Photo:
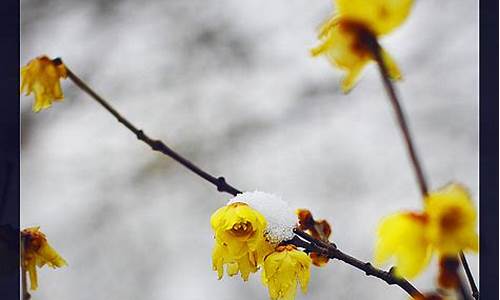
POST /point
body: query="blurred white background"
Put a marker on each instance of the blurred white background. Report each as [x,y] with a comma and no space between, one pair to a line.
[230,85]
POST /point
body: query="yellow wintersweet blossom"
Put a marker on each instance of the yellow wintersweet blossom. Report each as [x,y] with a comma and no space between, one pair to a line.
[346,39]
[42,76]
[402,235]
[283,269]
[446,226]
[452,220]
[240,243]
[37,252]
[380,16]
[341,41]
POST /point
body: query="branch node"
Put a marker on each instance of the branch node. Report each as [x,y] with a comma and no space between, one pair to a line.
[140,134]
[368,269]
[221,183]
[57,61]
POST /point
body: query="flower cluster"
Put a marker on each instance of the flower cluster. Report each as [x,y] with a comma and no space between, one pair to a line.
[244,243]
[37,252]
[446,226]
[42,77]
[345,37]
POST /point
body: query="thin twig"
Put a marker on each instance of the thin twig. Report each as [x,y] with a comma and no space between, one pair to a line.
[470,278]
[462,288]
[156,145]
[331,251]
[223,186]
[24,285]
[376,49]
[400,116]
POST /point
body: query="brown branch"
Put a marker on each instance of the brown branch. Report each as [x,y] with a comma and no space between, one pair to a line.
[156,145]
[315,245]
[470,278]
[376,50]
[331,251]
[24,286]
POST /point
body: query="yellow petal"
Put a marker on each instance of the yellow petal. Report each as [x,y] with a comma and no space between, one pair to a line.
[340,43]
[402,236]
[452,220]
[283,269]
[37,252]
[239,237]
[351,78]
[381,16]
[42,77]
[392,67]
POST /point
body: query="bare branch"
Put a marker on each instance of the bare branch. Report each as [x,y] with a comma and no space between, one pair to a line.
[331,250]
[222,186]
[371,41]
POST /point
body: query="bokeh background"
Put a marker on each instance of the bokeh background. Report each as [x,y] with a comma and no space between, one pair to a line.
[230,85]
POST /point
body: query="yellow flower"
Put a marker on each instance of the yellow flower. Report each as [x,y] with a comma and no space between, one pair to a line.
[41,76]
[452,220]
[380,16]
[342,42]
[283,269]
[240,242]
[402,235]
[447,226]
[37,253]
[345,37]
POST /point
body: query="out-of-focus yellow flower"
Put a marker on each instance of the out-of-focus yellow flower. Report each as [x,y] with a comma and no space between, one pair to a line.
[345,37]
[283,269]
[41,76]
[402,235]
[37,252]
[452,220]
[240,242]
[380,16]
[447,226]
[342,42]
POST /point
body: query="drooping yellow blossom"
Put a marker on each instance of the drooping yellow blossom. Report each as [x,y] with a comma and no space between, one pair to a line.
[402,235]
[346,39]
[452,220]
[342,42]
[447,226]
[37,252]
[240,242]
[41,76]
[283,269]
[380,16]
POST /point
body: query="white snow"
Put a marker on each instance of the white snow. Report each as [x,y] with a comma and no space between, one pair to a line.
[280,217]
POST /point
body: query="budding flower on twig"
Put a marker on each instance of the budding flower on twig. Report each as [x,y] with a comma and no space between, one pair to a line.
[42,77]
[320,230]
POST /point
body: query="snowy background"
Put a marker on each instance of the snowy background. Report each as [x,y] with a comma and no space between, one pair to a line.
[230,85]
